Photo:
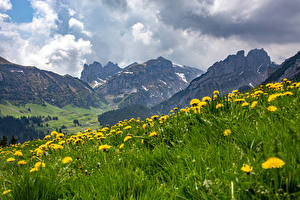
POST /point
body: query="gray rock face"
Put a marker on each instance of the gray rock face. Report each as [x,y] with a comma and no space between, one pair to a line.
[146,84]
[95,74]
[232,73]
[289,69]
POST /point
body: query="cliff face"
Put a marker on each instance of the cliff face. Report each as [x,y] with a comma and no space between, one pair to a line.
[234,72]
[147,84]
[22,84]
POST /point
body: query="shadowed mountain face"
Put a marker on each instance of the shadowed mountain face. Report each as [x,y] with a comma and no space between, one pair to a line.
[234,72]
[95,74]
[147,84]
[289,69]
[23,84]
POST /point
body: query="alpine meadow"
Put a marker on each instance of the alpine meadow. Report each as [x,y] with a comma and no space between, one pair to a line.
[239,146]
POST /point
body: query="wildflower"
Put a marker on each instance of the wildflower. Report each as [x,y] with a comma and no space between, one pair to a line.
[273,162]
[18,153]
[67,160]
[10,160]
[272,97]
[154,117]
[142,141]
[104,147]
[194,102]
[121,146]
[227,132]
[53,133]
[127,138]
[39,165]
[6,192]
[235,91]
[272,108]
[34,169]
[206,99]
[239,100]
[22,162]
[287,93]
[245,104]
[247,168]
[144,126]
[119,132]
[153,134]
[219,105]
[253,104]
[216,92]
[285,79]
[127,127]
[47,137]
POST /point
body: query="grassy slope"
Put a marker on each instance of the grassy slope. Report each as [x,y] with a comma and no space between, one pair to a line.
[86,117]
[190,158]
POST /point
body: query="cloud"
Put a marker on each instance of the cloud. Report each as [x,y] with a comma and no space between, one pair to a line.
[5,5]
[140,32]
[65,34]
[269,21]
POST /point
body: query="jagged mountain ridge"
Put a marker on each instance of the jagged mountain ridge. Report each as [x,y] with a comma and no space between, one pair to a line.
[95,74]
[147,84]
[234,72]
[26,84]
[289,69]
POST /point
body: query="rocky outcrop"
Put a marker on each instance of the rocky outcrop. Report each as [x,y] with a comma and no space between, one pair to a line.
[95,74]
[146,84]
[289,69]
[236,71]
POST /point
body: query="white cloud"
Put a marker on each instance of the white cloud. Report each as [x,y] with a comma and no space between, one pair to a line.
[76,24]
[5,5]
[139,32]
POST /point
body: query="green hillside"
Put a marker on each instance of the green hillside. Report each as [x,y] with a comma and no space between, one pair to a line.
[66,115]
[242,146]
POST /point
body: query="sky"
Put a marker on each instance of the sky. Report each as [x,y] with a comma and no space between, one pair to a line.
[62,35]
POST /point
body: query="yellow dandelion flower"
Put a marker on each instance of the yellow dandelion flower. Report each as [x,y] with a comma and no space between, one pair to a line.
[288,94]
[22,162]
[34,169]
[127,127]
[10,160]
[272,97]
[272,108]
[6,192]
[39,165]
[53,133]
[253,104]
[247,168]
[104,147]
[18,153]
[273,162]
[206,99]
[142,141]
[216,92]
[245,104]
[153,134]
[128,137]
[219,105]
[121,146]
[227,132]
[235,91]
[144,126]
[154,117]
[67,160]
[47,137]
[194,102]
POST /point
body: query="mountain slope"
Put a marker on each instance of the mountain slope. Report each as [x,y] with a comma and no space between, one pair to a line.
[146,84]
[232,73]
[289,69]
[24,84]
[95,74]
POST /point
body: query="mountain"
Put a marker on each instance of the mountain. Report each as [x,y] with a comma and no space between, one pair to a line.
[25,84]
[289,69]
[236,71]
[146,84]
[95,74]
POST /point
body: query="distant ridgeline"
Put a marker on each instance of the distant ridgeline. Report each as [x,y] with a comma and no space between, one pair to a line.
[13,130]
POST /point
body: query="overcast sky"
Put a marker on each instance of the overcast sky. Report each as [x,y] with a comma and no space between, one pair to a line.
[62,35]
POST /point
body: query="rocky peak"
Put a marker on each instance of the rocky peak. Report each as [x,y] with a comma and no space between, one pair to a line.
[4,61]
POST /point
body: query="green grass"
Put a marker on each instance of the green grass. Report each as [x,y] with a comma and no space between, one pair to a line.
[190,158]
[86,117]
